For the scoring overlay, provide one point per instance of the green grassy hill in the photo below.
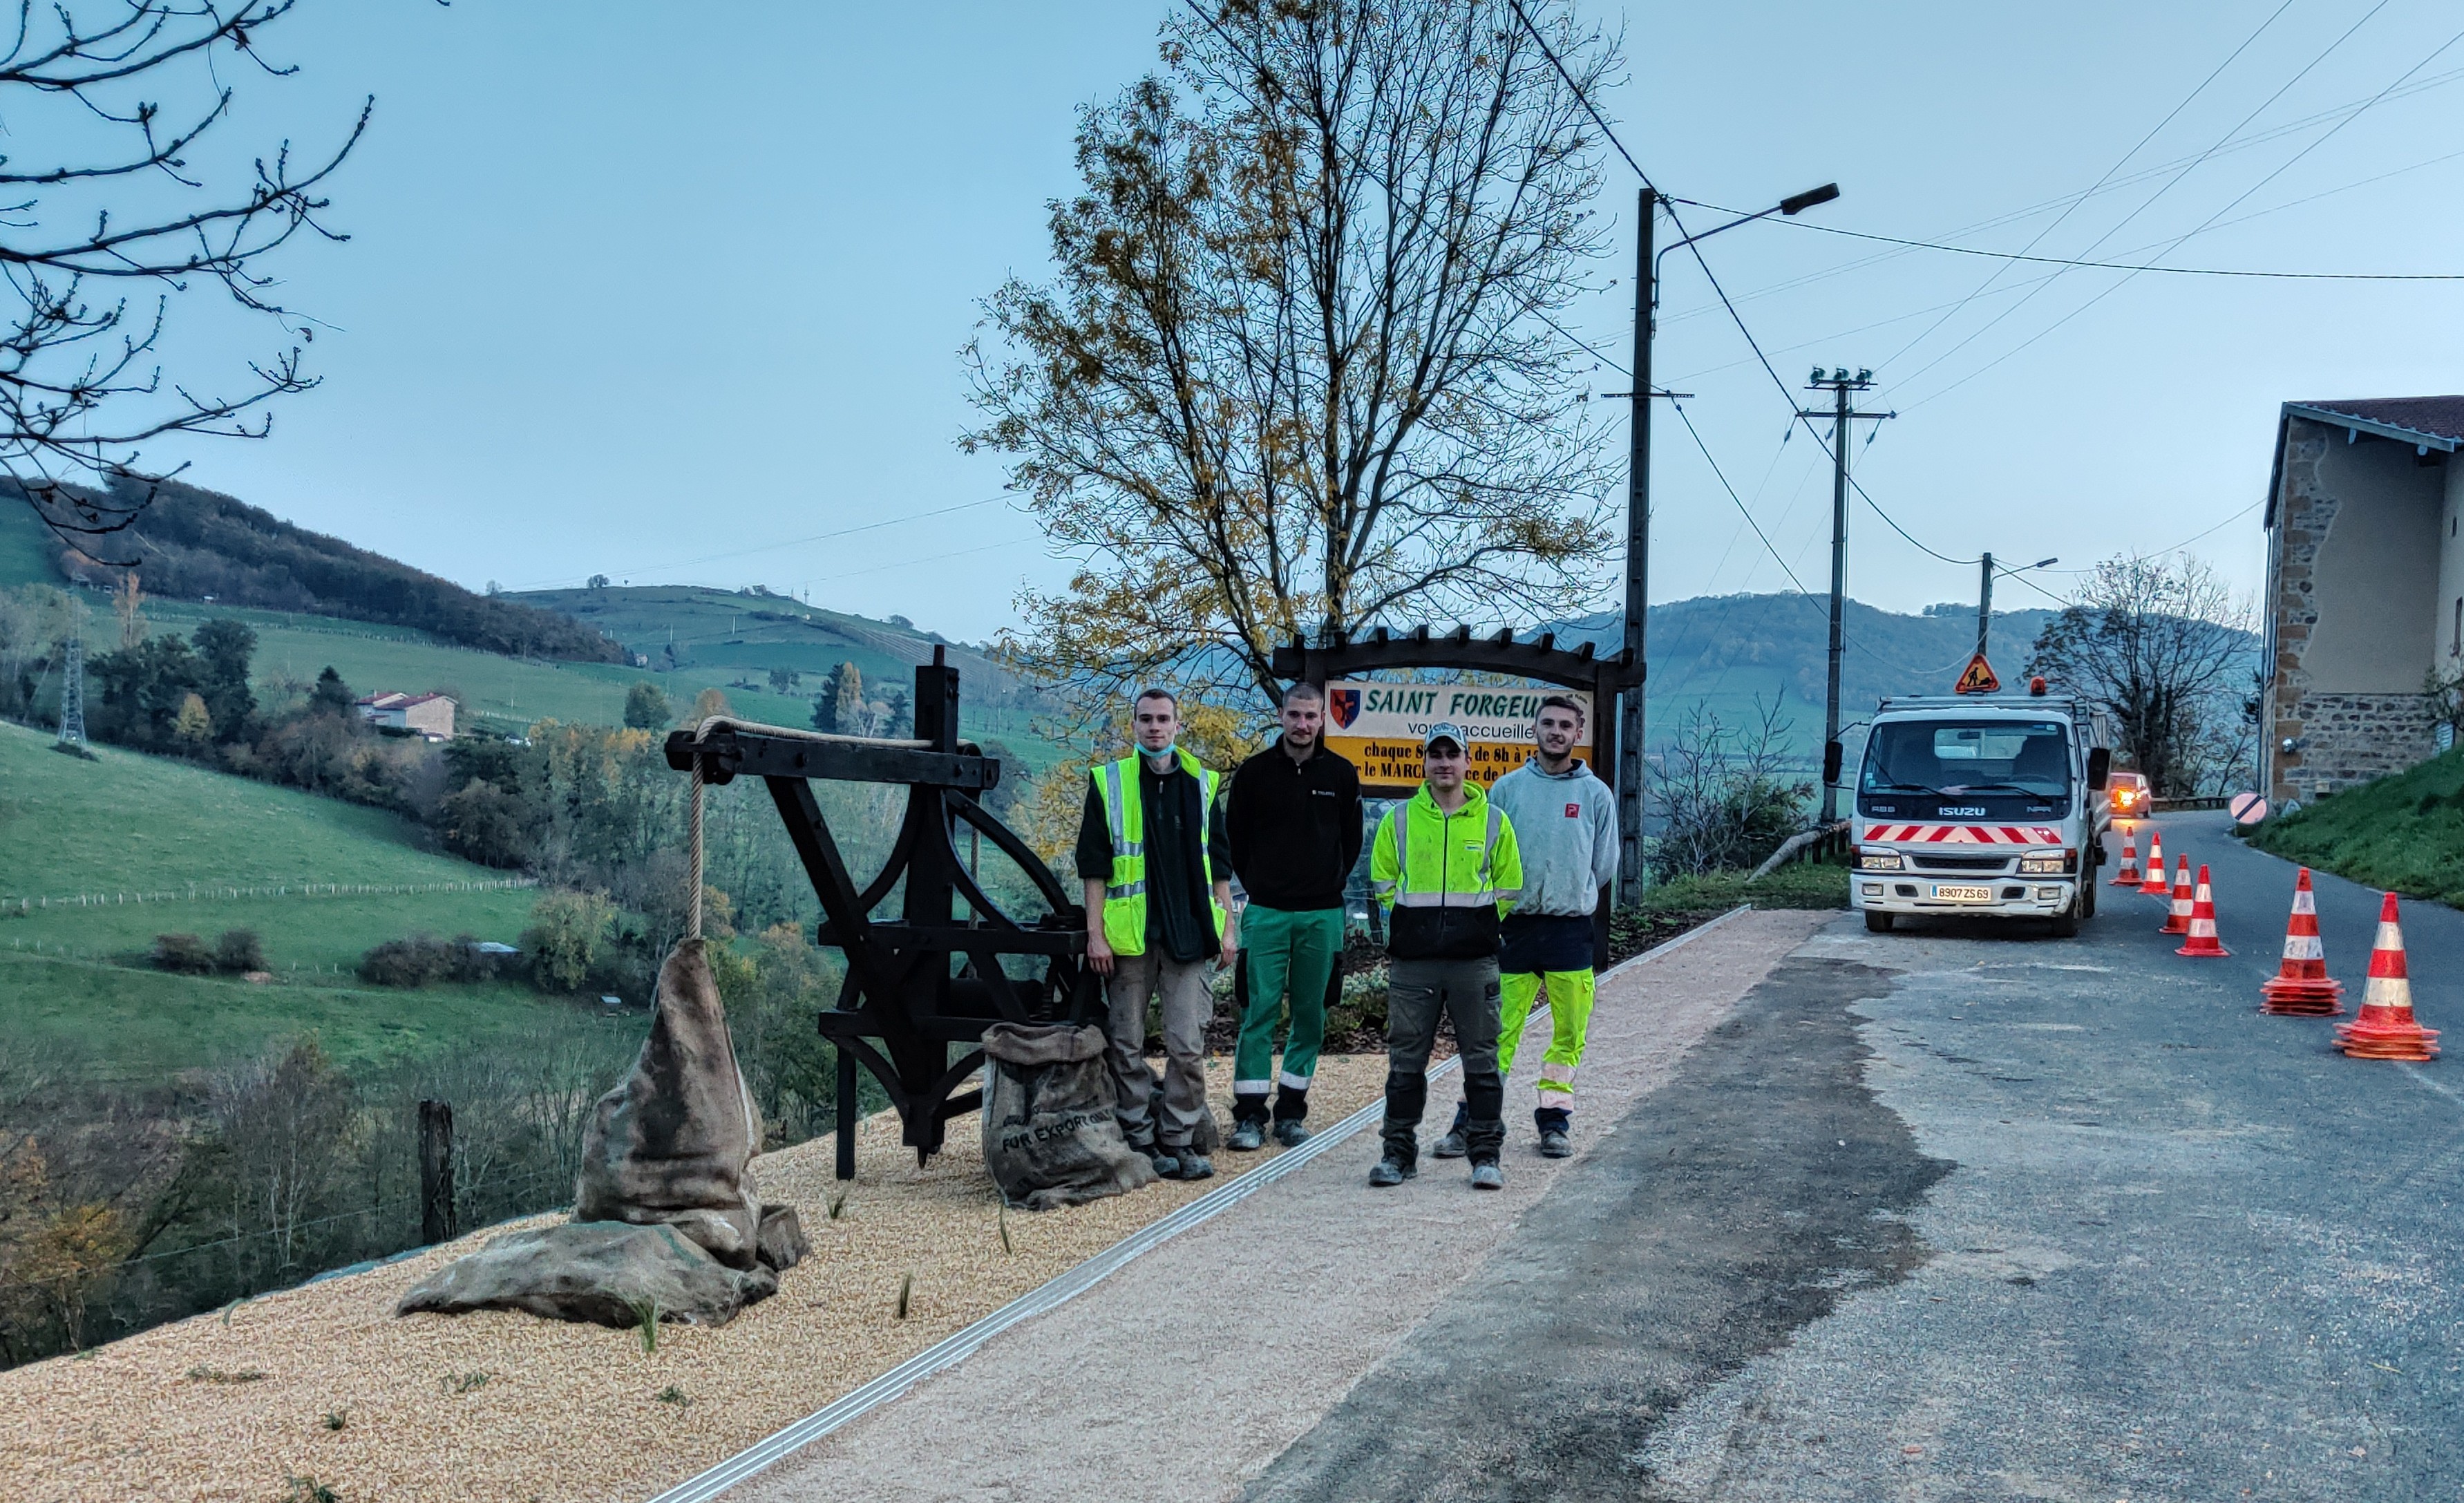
(2404, 832)
(125, 825)
(725, 641)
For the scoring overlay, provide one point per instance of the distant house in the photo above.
(429, 714)
(2364, 591)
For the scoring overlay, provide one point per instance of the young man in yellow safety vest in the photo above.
(1151, 854)
(1446, 865)
(1565, 830)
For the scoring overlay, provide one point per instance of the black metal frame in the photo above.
(1605, 678)
(902, 988)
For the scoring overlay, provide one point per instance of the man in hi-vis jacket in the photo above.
(1447, 866)
(1158, 920)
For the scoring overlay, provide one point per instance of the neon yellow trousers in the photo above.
(1570, 996)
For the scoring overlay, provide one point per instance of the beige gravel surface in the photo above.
(1183, 1375)
(502, 1406)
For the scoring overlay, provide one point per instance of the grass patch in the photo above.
(2404, 832)
(1802, 884)
(215, 1374)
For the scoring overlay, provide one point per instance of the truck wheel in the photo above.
(2065, 926)
(2087, 895)
(1876, 922)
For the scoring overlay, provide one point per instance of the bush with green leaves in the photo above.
(240, 950)
(183, 953)
(567, 932)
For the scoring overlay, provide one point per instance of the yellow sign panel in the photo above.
(1978, 678)
(1379, 728)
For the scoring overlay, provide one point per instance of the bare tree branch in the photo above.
(1291, 374)
(81, 389)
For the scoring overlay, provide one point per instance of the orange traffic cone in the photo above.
(2385, 1029)
(2203, 939)
(2301, 986)
(2128, 875)
(2154, 886)
(2178, 921)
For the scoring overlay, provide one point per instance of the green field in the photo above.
(2402, 832)
(125, 825)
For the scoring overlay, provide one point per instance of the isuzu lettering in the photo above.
(1986, 806)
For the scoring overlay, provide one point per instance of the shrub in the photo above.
(240, 950)
(416, 961)
(565, 935)
(184, 953)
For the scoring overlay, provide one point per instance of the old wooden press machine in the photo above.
(929, 978)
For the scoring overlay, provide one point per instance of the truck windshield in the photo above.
(1968, 757)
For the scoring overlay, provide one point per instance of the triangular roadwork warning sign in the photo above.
(1977, 677)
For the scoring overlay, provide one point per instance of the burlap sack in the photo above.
(671, 1144)
(1050, 1137)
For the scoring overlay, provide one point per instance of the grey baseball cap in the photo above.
(1445, 731)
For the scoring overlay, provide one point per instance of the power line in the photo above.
(2129, 266)
(2132, 180)
(2202, 226)
(2141, 144)
(1740, 501)
(793, 543)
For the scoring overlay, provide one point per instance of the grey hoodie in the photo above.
(1566, 828)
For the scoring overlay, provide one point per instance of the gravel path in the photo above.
(1185, 1374)
(500, 1406)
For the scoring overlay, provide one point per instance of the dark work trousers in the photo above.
(1468, 993)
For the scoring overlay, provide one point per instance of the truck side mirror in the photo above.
(2099, 768)
(1832, 758)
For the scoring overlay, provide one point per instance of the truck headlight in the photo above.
(1879, 861)
(2048, 865)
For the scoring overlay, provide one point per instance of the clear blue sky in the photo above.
(628, 291)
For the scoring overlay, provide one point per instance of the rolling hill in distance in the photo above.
(1723, 656)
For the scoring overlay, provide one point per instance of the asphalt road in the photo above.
(1970, 1213)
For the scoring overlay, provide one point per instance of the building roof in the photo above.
(395, 700)
(2425, 423)
(2437, 421)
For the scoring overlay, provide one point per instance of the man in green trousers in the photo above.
(1292, 826)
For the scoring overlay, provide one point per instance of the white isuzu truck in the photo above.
(1982, 805)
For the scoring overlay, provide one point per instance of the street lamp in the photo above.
(1638, 514)
(1984, 593)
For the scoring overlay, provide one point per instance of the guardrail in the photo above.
(2181, 806)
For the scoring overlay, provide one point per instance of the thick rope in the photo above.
(693, 923)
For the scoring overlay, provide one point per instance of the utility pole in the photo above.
(1638, 562)
(1839, 384)
(73, 678)
(1630, 761)
(1984, 603)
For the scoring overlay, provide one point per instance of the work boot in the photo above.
(1194, 1165)
(1555, 1144)
(1247, 1138)
(1291, 1133)
(1391, 1172)
(1167, 1162)
(1485, 1175)
(1452, 1144)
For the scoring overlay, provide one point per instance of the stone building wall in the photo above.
(2344, 734)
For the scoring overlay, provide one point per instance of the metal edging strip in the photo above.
(959, 1344)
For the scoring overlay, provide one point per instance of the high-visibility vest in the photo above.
(1125, 892)
(1424, 857)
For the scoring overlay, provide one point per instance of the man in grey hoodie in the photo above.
(1567, 821)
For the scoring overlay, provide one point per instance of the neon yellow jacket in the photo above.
(1445, 878)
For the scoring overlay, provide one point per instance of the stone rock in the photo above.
(671, 1144)
(781, 1244)
(595, 1271)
